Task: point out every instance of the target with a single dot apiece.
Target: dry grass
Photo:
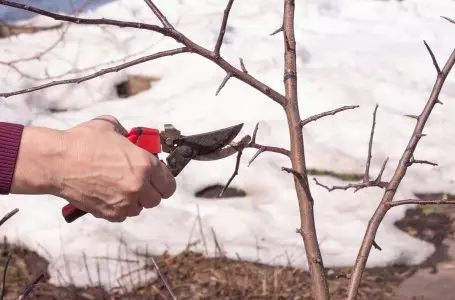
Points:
(193, 276)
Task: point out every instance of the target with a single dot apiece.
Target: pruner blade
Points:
(183, 149)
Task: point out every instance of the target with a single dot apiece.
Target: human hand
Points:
(94, 167)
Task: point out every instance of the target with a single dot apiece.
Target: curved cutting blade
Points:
(208, 142)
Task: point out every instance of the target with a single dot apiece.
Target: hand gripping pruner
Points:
(182, 149)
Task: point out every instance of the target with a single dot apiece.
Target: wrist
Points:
(41, 152)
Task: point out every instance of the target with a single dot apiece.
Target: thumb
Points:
(107, 122)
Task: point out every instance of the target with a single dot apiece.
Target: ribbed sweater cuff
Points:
(10, 139)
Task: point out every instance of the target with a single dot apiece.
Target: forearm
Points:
(38, 156)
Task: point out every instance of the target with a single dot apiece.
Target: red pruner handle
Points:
(146, 138)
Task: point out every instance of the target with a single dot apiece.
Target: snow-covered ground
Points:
(350, 52)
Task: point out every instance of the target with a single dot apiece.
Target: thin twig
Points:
(366, 182)
(236, 172)
(219, 41)
(400, 171)
(420, 202)
(356, 186)
(217, 244)
(8, 216)
(169, 32)
(422, 162)
(449, 19)
(168, 287)
(223, 83)
(5, 271)
(201, 231)
(100, 72)
(158, 14)
(29, 288)
(327, 113)
(433, 58)
(366, 177)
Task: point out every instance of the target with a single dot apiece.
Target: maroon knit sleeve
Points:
(10, 139)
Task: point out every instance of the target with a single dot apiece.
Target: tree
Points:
(289, 102)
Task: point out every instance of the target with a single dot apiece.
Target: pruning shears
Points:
(182, 149)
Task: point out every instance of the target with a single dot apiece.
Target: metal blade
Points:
(208, 142)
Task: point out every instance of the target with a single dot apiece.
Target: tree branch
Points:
(219, 42)
(244, 143)
(325, 114)
(100, 72)
(400, 171)
(158, 14)
(169, 32)
(449, 19)
(8, 216)
(433, 58)
(366, 177)
(366, 182)
(420, 202)
(297, 155)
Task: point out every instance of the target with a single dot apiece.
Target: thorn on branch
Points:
(255, 156)
(223, 83)
(219, 41)
(281, 29)
(242, 65)
(325, 114)
(376, 246)
(381, 171)
(412, 116)
(293, 172)
(420, 135)
(433, 58)
(424, 162)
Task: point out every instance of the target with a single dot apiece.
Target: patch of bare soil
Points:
(7, 30)
(193, 276)
(134, 84)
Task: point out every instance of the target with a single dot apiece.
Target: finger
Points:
(150, 197)
(108, 122)
(163, 180)
(134, 209)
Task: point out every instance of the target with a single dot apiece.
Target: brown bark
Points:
(297, 155)
(406, 160)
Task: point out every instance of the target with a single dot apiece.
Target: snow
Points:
(350, 52)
